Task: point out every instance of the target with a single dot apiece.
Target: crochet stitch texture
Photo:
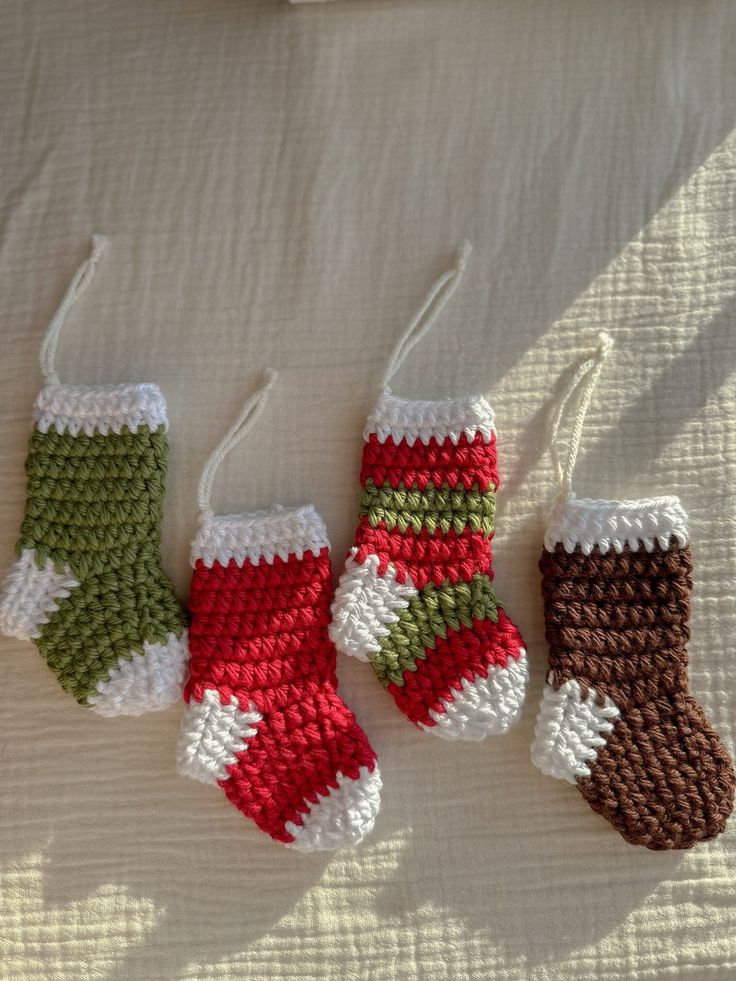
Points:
(263, 718)
(416, 598)
(88, 586)
(617, 717)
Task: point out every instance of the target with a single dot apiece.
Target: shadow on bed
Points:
(543, 234)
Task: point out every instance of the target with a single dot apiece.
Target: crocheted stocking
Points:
(87, 586)
(263, 717)
(416, 598)
(617, 717)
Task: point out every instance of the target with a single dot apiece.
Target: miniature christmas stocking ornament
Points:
(617, 717)
(263, 719)
(87, 586)
(416, 598)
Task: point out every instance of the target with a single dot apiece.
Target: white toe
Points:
(146, 682)
(343, 817)
(485, 706)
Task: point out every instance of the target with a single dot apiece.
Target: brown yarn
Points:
(617, 624)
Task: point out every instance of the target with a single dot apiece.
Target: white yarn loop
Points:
(581, 386)
(426, 315)
(249, 415)
(81, 280)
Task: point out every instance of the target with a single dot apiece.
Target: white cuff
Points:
(99, 408)
(422, 419)
(278, 531)
(616, 524)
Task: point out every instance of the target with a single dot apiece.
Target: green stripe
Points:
(94, 505)
(429, 616)
(434, 508)
(93, 499)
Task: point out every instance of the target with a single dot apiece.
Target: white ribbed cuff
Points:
(277, 531)
(422, 419)
(616, 524)
(99, 408)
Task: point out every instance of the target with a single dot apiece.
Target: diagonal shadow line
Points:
(535, 440)
(667, 419)
(653, 403)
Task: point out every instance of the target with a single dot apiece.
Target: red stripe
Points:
(259, 632)
(465, 653)
(467, 463)
(248, 620)
(425, 558)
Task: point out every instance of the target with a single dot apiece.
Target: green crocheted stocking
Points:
(88, 586)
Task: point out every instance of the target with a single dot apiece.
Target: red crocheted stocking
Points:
(263, 717)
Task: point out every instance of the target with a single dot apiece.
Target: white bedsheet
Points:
(280, 185)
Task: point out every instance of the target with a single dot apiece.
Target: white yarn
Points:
(30, 595)
(426, 315)
(344, 816)
(99, 408)
(248, 417)
(570, 730)
(81, 280)
(212, 736)
(581, 385)
(147, 682)
(277, 531)
(485, 706)
(617, 524)
(365, 606)
(425, 419)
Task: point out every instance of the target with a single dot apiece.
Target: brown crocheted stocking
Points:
(617, 717)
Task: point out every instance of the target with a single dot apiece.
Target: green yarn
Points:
(93, 500)
(105, 620)
(429, 616)
(434, 508)
(94, 508)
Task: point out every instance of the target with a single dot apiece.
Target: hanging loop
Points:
(81, 280)
(247, 419)
(426, 315)
(580, 389)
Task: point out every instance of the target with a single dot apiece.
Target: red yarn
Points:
(425, 557)
(467, 463)
(381, 622)
(259, 632)
(465, 653)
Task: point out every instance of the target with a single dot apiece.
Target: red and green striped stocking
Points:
(416, 598)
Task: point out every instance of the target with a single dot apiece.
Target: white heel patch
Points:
(365, 605)
(570, 730)
(212, 735)
(30, 596)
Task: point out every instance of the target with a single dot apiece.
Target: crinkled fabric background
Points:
(280, 185)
